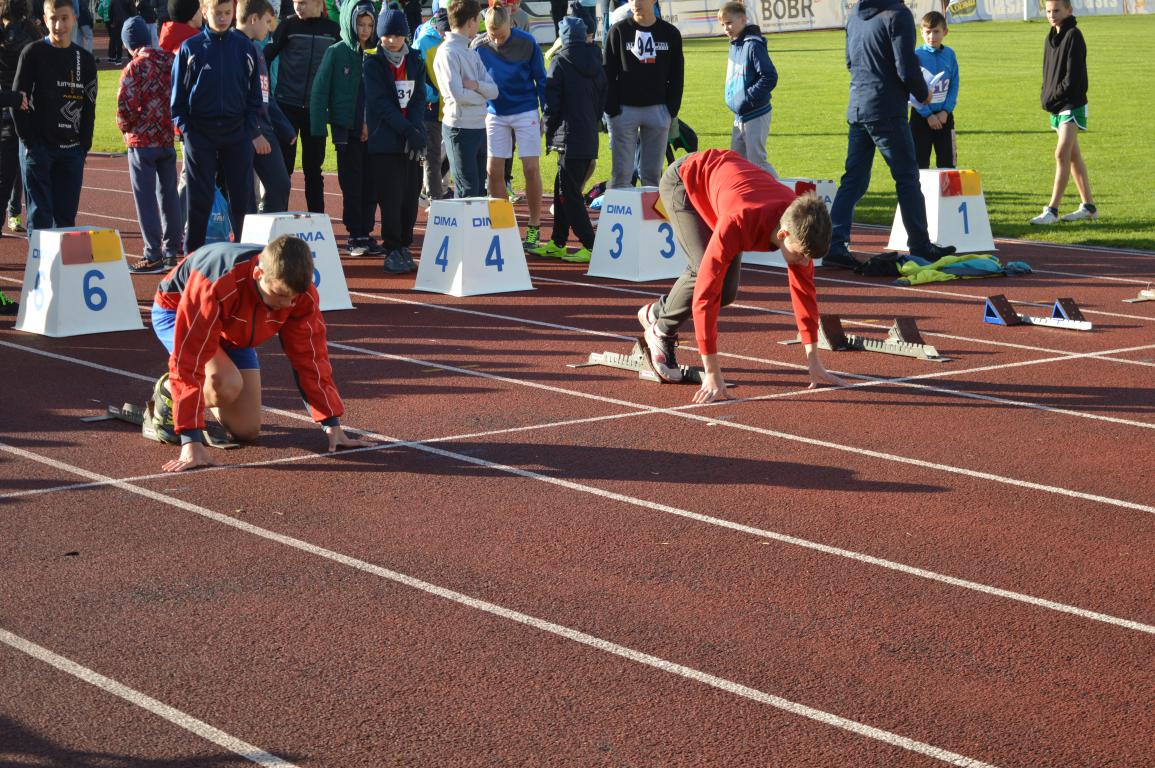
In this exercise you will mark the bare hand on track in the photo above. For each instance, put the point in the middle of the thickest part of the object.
(192, 455)
(338, 440)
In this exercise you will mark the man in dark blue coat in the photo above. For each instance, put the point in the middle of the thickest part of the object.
(884, 72)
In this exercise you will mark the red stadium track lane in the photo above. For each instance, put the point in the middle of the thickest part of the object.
(321, 652)
(76, 722)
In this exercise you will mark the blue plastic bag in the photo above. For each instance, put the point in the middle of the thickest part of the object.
(220, 229)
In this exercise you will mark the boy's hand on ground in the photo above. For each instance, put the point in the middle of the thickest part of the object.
(192, 455)
(713, 389)
(338, 440)
(820, 377)
(261, 145)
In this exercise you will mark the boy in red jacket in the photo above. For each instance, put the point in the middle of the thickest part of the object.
(210, 313)
(144, 116)
(720, 204)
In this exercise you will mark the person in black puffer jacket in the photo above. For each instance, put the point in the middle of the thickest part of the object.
(575, 96)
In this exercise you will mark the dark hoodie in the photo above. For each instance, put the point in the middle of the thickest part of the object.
(884, 69)
(1064, 68)
(575, 93)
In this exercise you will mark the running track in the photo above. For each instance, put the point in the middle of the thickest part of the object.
(939, 564)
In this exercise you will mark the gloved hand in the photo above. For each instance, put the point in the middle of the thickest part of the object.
(675, 129)
(414, 138)
(416, 155)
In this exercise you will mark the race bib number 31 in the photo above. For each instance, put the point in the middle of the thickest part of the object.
(404, 92)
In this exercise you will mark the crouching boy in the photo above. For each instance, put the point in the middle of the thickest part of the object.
(210, 313)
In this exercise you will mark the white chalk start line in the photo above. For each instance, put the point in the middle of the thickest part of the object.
(525, 619)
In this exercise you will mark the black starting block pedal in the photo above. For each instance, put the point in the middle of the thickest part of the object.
(1064, 314)
(1144, 295)
(638, 360)
(903, 339)
(215, 435)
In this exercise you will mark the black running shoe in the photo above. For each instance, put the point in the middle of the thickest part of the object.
(841, 260)
(395, 263)
(935, 252)
(147, 266)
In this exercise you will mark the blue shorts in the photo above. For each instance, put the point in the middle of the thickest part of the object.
(164, 323)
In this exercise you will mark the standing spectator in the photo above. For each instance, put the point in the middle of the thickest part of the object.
(217, 110)
(465, 86)
(17, 32)
(750, 77)
(301, 42)
(59, 79)
(1064, 95)
(932, 125)
(427, 40)
(395, 113)
(86, 25)
(645, 74)
(184, 20)
(514, 61)
(119, 11)
(338, 99)
(144, 116)
(575, 94)
(254, 22)
(147, 11)
(884, 72)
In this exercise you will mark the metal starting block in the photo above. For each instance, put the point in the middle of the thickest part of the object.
(903, 339)
(1065, 314)
(1144, 295)
(215, 435)
(638, 360)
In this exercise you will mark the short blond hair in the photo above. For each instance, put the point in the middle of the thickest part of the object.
(808, 223)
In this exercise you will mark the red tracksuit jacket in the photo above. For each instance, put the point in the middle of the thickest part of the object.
(743, 205)
(215, 297)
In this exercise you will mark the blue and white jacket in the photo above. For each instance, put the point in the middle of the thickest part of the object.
(216, 84)
(518, 69)
(944, 94)
(750, 75)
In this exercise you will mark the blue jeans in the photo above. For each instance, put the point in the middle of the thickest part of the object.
(467, 152)
(152, 172)
(893, 139)
(52, 181)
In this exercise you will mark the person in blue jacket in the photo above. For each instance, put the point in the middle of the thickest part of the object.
(884, 73)
(255, 20)
(395, 115)
(750, 77)
(932, 125)
(216, 106)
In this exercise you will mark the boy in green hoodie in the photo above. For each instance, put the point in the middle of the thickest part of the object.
(338, 98)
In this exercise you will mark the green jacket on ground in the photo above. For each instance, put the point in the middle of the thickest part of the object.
(334, 96)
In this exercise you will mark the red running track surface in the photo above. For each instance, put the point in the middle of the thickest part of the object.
(939, 564)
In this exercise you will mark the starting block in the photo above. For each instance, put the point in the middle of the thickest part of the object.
(638, 360)
(214, 434)
(825, 189)
(76, 281)
(457, 233)
(317, 230)
(1065, 314)
(634, 241)
(1144, 295)
(956, 212)
(903, 339)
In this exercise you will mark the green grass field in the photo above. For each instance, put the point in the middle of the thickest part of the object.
(1002, 131)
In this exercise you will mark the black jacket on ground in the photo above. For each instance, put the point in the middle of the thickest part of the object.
(1064, 68)
(575, 96)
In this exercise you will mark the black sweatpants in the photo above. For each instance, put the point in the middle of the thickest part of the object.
(925, 138)
(312, 156)
(357, 188)
(569, 204)
(398, 183)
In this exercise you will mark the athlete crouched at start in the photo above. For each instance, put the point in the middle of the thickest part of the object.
(211, 312)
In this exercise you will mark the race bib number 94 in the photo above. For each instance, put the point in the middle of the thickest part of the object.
(404, 92)
(644, 47)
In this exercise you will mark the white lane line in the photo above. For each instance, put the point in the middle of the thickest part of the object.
(656, 507)
(542, 625)
(867, 381)
(132, 696)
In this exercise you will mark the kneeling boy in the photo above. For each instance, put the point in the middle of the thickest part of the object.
(210, 313)
(719, 205)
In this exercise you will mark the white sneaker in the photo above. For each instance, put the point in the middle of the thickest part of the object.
(1079, 214)
(1046, 217)
(660, 348)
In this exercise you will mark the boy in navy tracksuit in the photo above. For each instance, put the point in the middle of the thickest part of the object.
(932, 125)
(216, 105)
(575, 95)
(395, 114)
(750, 77)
